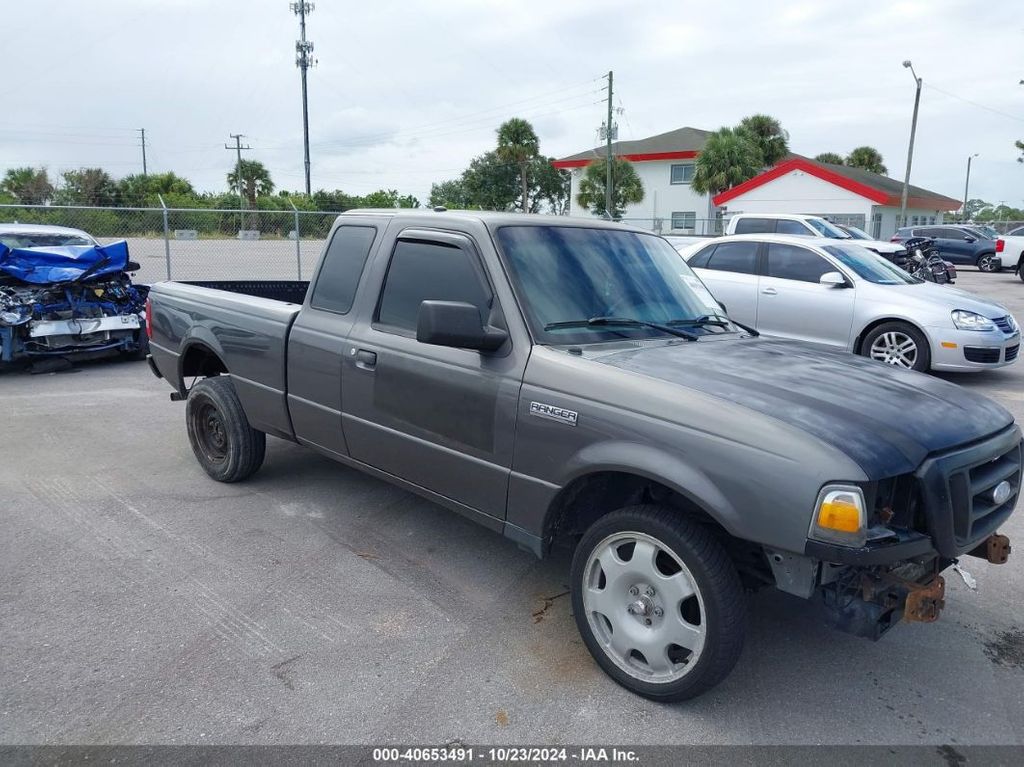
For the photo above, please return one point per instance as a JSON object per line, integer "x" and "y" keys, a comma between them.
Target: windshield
{"x": 41, "y": 240}
{"x": 827, "y": 229}
{"x": 857, "y": 234}
{"x": 986, "y": 231}
{"x": 870, "y": 266}
{"x": 568, "y": 274}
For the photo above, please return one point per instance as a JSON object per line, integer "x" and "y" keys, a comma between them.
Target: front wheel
{"x": 658, "y": 602}
{"x": 987, "y": 262}
{"x": 898, "y": 344}
{"x": 226, "y": 446}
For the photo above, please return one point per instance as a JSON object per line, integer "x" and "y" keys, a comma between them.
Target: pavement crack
{"x": 283, "y": 671}
{"x": 540, "y": 613}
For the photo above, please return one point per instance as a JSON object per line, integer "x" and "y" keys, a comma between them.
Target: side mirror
{"x": 833, "y": 280}
{"x": 456, "y": 324}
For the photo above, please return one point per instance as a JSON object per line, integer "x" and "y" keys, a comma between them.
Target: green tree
{"x": 491, "y": 183}
{"x": 832, "y": 158}
{"x": 1020, "y": 148}
{"x": 30, "y": 186}
{"x": 868, "y": 158}
{"x": 255, "y": 182}
{"x": 626, "y": 187}
{"x": 387, "y": 198}
{"x": 729, "y": 158}
{"x": 87, "y": 186}
{"x": 518, "y": 145}
{"x": 974, "y": 207}
{"x": 451, "y": 194}
{"x": 550, "y": 186}
{"x": 767, "y": 133}
{"x": 137, "y": 189}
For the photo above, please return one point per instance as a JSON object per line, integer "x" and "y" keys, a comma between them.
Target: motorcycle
{"x": 924, "y": 262}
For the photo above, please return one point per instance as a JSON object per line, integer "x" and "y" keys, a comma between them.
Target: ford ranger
{"x": 572, "y": 383}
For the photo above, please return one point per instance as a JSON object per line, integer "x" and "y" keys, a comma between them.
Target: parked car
{"x": 572, "y": 382}
{"x": 1009, "y": 246}
{"x": 809, "y": 226}
{"x": 844, "y": 296}
{"x": 62, "y": 294}
{"x": 958, "y": 244}
{"x": 1016, "y": 232}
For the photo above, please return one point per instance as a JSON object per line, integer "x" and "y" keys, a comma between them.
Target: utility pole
{"x": 608, "y": 154}
{"x": 238, "y": 173}
{"x": 303, "y": 60}
{"x": 143, "y": 132}
{"x": 967, "y": 185}
{"x": 910, "y": 149}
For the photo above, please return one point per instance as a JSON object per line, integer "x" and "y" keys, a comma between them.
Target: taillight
{"x": 1000, "y": 244}
{"x": 149, "y": 318}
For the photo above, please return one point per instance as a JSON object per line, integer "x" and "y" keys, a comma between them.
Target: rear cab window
{"x": 755, "y": 226}
{"x": 342, "y": 268}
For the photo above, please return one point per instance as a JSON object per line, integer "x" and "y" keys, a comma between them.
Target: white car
{"x": 842, "y": 295}
{"x": 799, "y": 225}
{"x": 1011, "y": 251}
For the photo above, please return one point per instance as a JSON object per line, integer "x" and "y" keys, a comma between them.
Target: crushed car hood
{"x": 51, "y": 265}
{"x": 885, "y": 419}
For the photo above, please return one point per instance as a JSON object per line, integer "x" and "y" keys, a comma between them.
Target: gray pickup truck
{"x": 571, "y": 383}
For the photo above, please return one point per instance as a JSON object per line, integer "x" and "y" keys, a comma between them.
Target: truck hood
{"x": 887, "y": 420}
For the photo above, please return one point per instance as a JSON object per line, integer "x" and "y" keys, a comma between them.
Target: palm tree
{"x": 868, "y": 158}
{"x": 729, "y": 157}
{"x": 767, "y": 133}
{"x": 626, "y": 187}
{"x": 830, "y": 158}
{"x": 255, "y": 180}
{"x": 28, "y": 185}
{"x": 518, "y": 144}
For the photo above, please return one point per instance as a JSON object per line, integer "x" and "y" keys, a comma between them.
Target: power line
{"x": 975, "y": 103}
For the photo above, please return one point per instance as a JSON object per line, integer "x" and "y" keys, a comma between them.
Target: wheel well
{"x": 864, "y": 333}
{"x": 584, "y": 500}
{"x": 201, "y": 360}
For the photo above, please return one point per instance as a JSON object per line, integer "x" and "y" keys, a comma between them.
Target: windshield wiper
{"x": 627, "y": 321}
{"x": 716, "y": 319}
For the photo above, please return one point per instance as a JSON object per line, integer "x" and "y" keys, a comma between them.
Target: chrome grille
{"x": 1005, "y": 324}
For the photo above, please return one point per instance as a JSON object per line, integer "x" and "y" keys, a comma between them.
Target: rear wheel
{"x": 987, "y": 262}
{"x": 898, "y": 344}
{"x": 226, "y": 446}
{"x": 658, "y": 602}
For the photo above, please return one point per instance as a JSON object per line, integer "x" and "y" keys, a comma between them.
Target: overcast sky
{"x": 406, "y": 92}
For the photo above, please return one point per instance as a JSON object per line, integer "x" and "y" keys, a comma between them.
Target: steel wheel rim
{"x": 895, "y": 348}
{"x": 646, "y": 612}
{"x": 987, "y": 263}
{"x": 210, "y": 432}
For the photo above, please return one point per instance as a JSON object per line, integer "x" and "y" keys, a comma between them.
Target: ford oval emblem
{"x": 1001, "y": 493}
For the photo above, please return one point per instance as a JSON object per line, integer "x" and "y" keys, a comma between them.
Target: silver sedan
{"x": 843, "y": 295}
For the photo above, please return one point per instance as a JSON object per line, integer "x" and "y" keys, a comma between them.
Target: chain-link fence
{"x": 678, "y": 225}
{"x": 1003, "y": 227}
{"x": 199, "y": 243}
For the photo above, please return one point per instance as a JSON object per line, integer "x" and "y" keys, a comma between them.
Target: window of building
{"x": 791, "y": 262}
{"x": 343, "y": 265}
{"x": 684, "y": 220}
{"x": 931, "y": 220}
{"x": 429, "y": 271}
{"x": 682, "y": 173}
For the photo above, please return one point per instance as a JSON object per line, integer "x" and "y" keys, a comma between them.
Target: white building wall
{"x": 662, "y": 198}
{"x": 799, "y": 192}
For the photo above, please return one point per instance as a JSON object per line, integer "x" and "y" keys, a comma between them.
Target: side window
{"x": 429, "y": 271}
{"x": 791, "y": 262}
{"x": 785, "y": 226}
{"x": 343, "y": 265}
{"x": 700, "y": 259}
{"x": 755, "y": 225}
{"x": 735, "y": 257}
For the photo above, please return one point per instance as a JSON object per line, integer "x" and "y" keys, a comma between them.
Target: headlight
{"x": 965, "y": 320}
{"x": 839, "y": 516}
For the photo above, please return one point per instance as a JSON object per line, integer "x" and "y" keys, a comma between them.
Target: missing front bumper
{"x": 877, "y": 603}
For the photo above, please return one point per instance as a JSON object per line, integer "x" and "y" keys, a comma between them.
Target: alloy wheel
{"x": 895, "y": 348}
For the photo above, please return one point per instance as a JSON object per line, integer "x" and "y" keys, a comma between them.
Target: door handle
{"x": 770, "y": 291}
{"x": 365, "y": 359}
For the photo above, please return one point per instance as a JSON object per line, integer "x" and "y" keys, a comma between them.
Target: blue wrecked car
{"x": 62, "y": 294}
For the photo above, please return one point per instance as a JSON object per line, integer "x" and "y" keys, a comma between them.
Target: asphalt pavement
{"x": 141, "y": 602}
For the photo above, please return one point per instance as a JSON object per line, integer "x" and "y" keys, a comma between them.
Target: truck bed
{"x": 245, "y": 323}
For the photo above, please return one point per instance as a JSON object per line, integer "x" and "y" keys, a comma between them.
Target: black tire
{"x": 987, "y": 262}
{"x": 923, "y": 355}
{"x": 226, "y": 446}
{"x": 721, "y": 606}
{"x": 1020, "y": 271}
